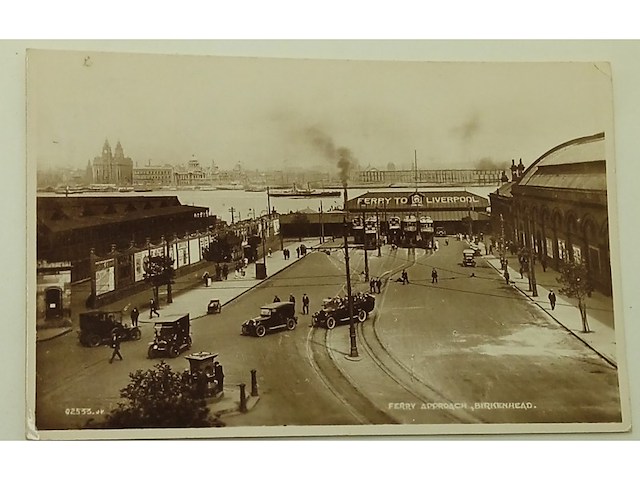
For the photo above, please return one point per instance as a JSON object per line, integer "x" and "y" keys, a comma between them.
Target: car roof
{"x": 468, "y": 250}
{"x": 276, "y": 304}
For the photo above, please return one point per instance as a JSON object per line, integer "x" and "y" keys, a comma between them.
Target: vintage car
{"x": 467, "y": 258}
{"x": 441, "y": 232}
{"x": 273, "y": 316}
{"x": 98, "y": 328}
{"x": 336, "y": 310}
{"x": 172, "y": 336}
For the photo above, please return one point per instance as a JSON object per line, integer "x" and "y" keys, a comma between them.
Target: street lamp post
{"x": 364, "y": 247}
{"x": 378, "y": 232}
{"x": 321, "y": 225}
{"x": 352, "y": 328}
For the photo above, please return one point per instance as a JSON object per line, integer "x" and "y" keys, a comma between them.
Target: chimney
{"x": 503, "y": 177}
{"x": 520, "y": 169}
{"x": 514, "y": 170}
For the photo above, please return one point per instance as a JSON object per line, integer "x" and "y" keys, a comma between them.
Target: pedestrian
{"x": 276, "y": 299}
{"x": 269, "y": 253}
{"x": 305, "y": 304}
{"x": 506, "y": 276}
{"x": 218, "y": 272}
{"x": 378, "y": 284}
{"x": 552, "y": 299}
{"x": 134, "y": 317}
{"x": 298, "y": 252}
{"x": 405, "y": 277}
{"x": 153, "y": 308}
{"x": 543, "y": 262}
{"x": 218, "y": 373}
{"x": 246, "y": 262}
{"x": 372, "y": 285}
{"x": 292, "y": 299}
{"x": 446, "y": 242}
{"x": 225, "y": 271}
{"x": 115, "y": 344}
{"x": 434, "y": 275}
{"x": 521, "y": 270}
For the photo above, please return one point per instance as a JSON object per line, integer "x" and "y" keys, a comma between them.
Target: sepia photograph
{"x": 227, "y": 246}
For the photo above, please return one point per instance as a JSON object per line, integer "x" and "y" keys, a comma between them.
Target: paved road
{"x": 296, "y": 378}
{"x": 465, "y": 339}
{"x": 474, "y": 339}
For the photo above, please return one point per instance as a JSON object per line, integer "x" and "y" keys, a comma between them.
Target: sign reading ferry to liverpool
{"x": 435, "y": 200}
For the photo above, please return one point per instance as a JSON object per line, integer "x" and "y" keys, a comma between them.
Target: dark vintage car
{"x": 336, "y": 310}
{"x": 98, "y": 328}
{"x": 172, "y": 336}
{"x": 273, "y": 316}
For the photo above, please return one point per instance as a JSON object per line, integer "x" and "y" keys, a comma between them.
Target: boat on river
{"x": 303, "y": 193}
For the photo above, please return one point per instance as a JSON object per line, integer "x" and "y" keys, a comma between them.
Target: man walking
{"x": 506, "y": 276}
{"x": 305, "y": 304}
{"x": 115, "y": 344}
{"x": 134, "y": 317}
{"x": 378, "y": 284}
{"x": 434, "y": 275}
{"x": 153, "y": 309}
{"x": 218, "y": 376}
{"x": 552, "y": 299}
{"x": 372, "y": 285}
{"x": 225, "y": 271}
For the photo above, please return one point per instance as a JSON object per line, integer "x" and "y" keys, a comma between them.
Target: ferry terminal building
{"x": 454, "y": 211}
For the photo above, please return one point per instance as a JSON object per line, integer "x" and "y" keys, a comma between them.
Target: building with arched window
{"x": 559, "y": 208}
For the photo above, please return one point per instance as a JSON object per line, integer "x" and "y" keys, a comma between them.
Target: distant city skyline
{"x": 275, "y": 114}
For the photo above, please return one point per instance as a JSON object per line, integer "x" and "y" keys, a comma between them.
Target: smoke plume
{"x": 488, "y": 163}
{"x": 324, "y": 144}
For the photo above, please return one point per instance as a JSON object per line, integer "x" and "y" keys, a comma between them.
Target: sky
{"x": 288, "y": 113}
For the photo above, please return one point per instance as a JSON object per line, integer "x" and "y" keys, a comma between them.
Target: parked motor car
{"x": 336, "y": 310}
{"x": 172, "y": 336}
{"x": 98, "y": 328}
{"x": 441, "y": 232}
{"x": 467, "y": 258}
{"x": 273, "y": 316}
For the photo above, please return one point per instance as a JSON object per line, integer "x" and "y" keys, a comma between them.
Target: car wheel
{"x": 94, "y": 340}
{"x": 151, "y": 353}
{"x": 174, "y": 351}
{"x": 135, "y": 334}
{"x": 291, "y": 324}
{"x": 331, "y": 323}
{"x": 362, "y": 315}
{"x": 260, "y": 331}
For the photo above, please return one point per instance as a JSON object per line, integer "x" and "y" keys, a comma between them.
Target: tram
{"x": 394, "y": 230}
{"x": 409, "y": 230}
{"x": 358, "y": 230}
{"x": 370, "y": 233}
{"x": 426, "y": 232}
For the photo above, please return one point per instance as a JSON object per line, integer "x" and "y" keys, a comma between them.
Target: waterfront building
{"x": 68, "y": 228}
{"x": 113, "y": 168}
{"x": 153, "y": 175}
{"x": 559, "y": 207}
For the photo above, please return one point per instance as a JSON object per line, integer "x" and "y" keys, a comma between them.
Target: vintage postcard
{"x": 235, "y": 247}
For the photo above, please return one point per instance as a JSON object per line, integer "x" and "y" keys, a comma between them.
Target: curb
{"x": 233, "y": 411}
{"x": 59, "y": 334}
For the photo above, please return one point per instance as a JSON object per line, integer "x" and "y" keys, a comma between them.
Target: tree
{"x": 576, "y": 283}
{"x": 159, "y": 271}
{"x": 222, "y": 247}
{"x": 160, "y": 398}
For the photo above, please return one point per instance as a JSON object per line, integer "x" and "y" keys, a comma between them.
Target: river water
{"x": 249, "y": 204}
